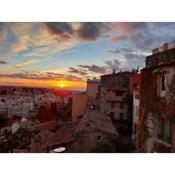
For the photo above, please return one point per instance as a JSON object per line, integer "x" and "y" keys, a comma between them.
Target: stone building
{"x": 106, "y": 114}
{"x": 93, "y": 128}
{"x": 115, "y": 100}
{"x": 156, "y": 129}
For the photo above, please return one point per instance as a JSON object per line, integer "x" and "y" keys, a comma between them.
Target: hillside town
{"x": 122, "y": 112}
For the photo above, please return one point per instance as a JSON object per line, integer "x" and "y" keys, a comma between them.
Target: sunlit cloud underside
{"x": 65, "y": 55}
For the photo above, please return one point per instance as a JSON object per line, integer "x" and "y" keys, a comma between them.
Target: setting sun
{"x": 61, "y": 84}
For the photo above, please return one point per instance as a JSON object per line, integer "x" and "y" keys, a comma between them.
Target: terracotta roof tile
{"x": 47, "y": 125}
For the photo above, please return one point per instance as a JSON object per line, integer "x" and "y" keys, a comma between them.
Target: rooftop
{"x": 117, "y": 73}
{"x": 64, "y": 134}
{"x": 162, "y": 56}
{"x": 164, "y": 47}
{"x": 93, "y": 80}
{"x": 159, "y": 59}
{"x": 43, "y": 126}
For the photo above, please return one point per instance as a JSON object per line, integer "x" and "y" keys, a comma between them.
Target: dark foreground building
{"x": 116, "y": 101}
{"x": 156, "y": 129}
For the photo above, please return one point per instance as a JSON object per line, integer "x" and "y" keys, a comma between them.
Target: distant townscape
{"x": 122, "y": 112}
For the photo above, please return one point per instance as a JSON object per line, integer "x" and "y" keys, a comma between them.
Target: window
{"x": 99, "y": 138}
{"x": 166, "y": 130}
{"x": 118, "y": 93}
{"x": 121, "y": 116}
{"x": 125, "y": 84}
{"x": 111, "y": 114}
{"x": 121, "y": 105}
{"x": 163, "y": 82}
{"x": 112, "y": 105}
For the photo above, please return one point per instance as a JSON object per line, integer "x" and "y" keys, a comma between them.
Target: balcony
{"x": 161, "y": 146}
{"x": 111, "y": 96}
{"x": 161, "y": 59}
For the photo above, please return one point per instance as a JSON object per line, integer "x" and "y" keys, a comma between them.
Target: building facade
{"x": 92, "y": 89}
{"x": 156, "y": 129}
{"x": 115, "y": 99}
{"x": 79, "y": 104}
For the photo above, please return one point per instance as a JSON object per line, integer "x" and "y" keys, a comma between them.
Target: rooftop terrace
{"x": 163, "y": 56}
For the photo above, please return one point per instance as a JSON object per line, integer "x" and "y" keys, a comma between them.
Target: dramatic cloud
{"x": 62, "y": 30}
{"x": 117, "y": 38}
{"x": 113, "y": 65}
{"x": 128, "y": 26}
{"x": 143, "y": 36}
{"x": 132, "y": 57}
{"x": 56, "y": 37}
{"x": 94, "y": 68}
{"x": 80, "y": 31}
{"x": 24, "y": 63}
{"x": 121, "y": 50}
{"x": 62, "y": 46}
{"x": 107, "y": 67}
{"x": 77, "y": 71}
{"x": 91, "y": 30}
{"x": 146, "y": 36}
{"x": 3, "y": 62}
{"x": 41, "y": 76}
{"x": 33, "y": 39}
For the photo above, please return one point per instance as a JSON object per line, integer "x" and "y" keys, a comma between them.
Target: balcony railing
{"x": 112, "y": 97}
{"x": 165, "y": 47}
{"x": 161, "y": 59}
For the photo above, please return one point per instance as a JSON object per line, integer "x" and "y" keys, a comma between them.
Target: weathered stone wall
{"x": 154, "y": 107}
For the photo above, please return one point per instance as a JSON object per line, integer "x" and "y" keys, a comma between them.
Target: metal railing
{"x": 165, "y": 46}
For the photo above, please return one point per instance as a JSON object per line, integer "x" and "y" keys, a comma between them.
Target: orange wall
{"x": 92, "y": 90}
{"x": 79, "y": 103}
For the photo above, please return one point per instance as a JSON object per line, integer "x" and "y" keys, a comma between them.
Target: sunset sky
{"x": 66, "y": 54}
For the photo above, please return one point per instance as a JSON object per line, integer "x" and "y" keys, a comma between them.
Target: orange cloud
{"x": 42, "y": 83}
{"x": 24, "y": 63}
{"x": 43, "y": 79}
{"x": 117, "y": 38}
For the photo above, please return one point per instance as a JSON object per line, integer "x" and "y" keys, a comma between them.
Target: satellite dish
{"x": 59, "y": 150}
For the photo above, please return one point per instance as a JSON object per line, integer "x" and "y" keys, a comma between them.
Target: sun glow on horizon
{"x": 67, "y": 84}
{"x": 61, "y": 84}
